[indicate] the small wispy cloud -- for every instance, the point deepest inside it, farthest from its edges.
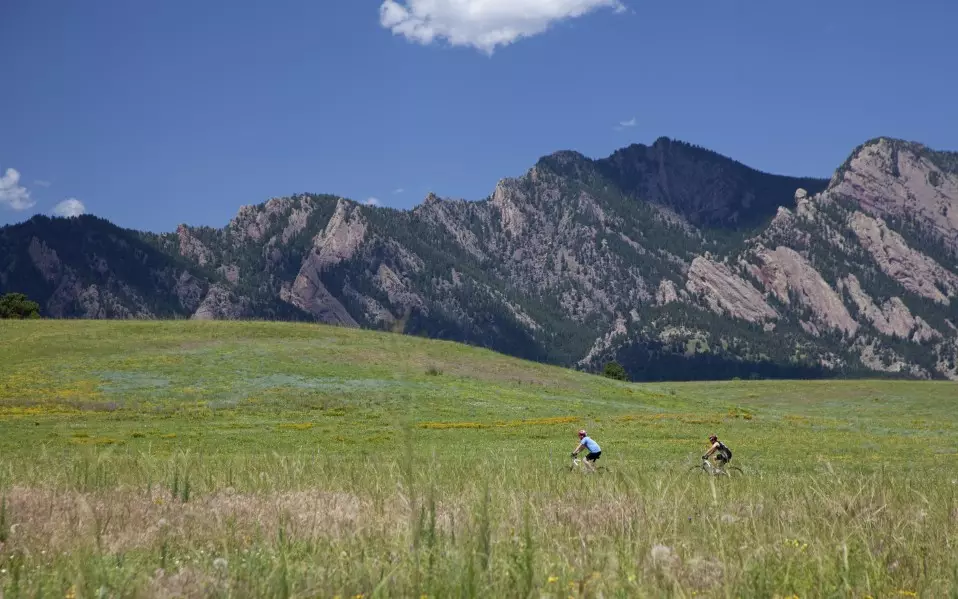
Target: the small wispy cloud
(41, 183)
(372, 202)
(69, 208)
(12, 194)
(399, 190)
(626, 124)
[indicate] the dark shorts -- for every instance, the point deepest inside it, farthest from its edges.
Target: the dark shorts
(722, 457)
(593, 456)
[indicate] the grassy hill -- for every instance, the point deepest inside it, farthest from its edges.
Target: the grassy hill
(270, 459)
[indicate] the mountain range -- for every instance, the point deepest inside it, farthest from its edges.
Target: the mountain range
(673, 260)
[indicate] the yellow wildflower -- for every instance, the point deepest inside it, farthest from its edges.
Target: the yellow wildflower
(553, 579)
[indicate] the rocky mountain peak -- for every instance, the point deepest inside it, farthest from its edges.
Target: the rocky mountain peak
(904, 180)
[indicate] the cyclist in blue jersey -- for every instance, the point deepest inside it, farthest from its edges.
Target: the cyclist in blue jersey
(595, 452)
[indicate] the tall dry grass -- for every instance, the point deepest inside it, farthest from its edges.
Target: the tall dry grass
(112, 524)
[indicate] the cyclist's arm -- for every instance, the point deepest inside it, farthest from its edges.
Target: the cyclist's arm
(712, 449)
(577, 449)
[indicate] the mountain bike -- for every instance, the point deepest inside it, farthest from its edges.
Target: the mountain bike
(578, 464)
(709, 468)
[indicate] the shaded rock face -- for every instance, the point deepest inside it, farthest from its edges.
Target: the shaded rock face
(70, 296)
(947, 354)
(705, 191)
(189, 290)
(308, 293)
(44, 260)
(659, 257)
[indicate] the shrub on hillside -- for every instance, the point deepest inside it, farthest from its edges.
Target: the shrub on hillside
(614, 370)
(17, 305)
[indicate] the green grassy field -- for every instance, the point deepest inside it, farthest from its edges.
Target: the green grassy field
(280, 460)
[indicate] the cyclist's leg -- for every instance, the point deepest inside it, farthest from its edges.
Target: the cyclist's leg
(590, 460)
(721, 461)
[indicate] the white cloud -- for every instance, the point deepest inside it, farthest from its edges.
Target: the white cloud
(399, 190)
(41, 183)
(372, 202)
(625, 124)
(482, 24)
(69, 208)
(12, 194)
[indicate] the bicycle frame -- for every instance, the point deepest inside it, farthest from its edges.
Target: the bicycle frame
(580, 464)
(712, 469)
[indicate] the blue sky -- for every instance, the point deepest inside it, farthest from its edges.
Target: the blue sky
(156, 113)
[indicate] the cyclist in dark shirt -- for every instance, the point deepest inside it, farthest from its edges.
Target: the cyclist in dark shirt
(723, 455)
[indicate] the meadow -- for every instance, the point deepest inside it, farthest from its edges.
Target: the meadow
(185, 459)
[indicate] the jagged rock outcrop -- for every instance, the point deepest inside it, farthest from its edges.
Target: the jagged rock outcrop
(508, 199)
(602, 344)
(893, 318)
(885, 360)
(338, 242)
(915, 271)
(725, 292)
(252, 222)
(788, 275)
(221, 304)
(397, 291)
(666, 293)
(191, 247)
(373, 311)
(446, 214)
(343, 235)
